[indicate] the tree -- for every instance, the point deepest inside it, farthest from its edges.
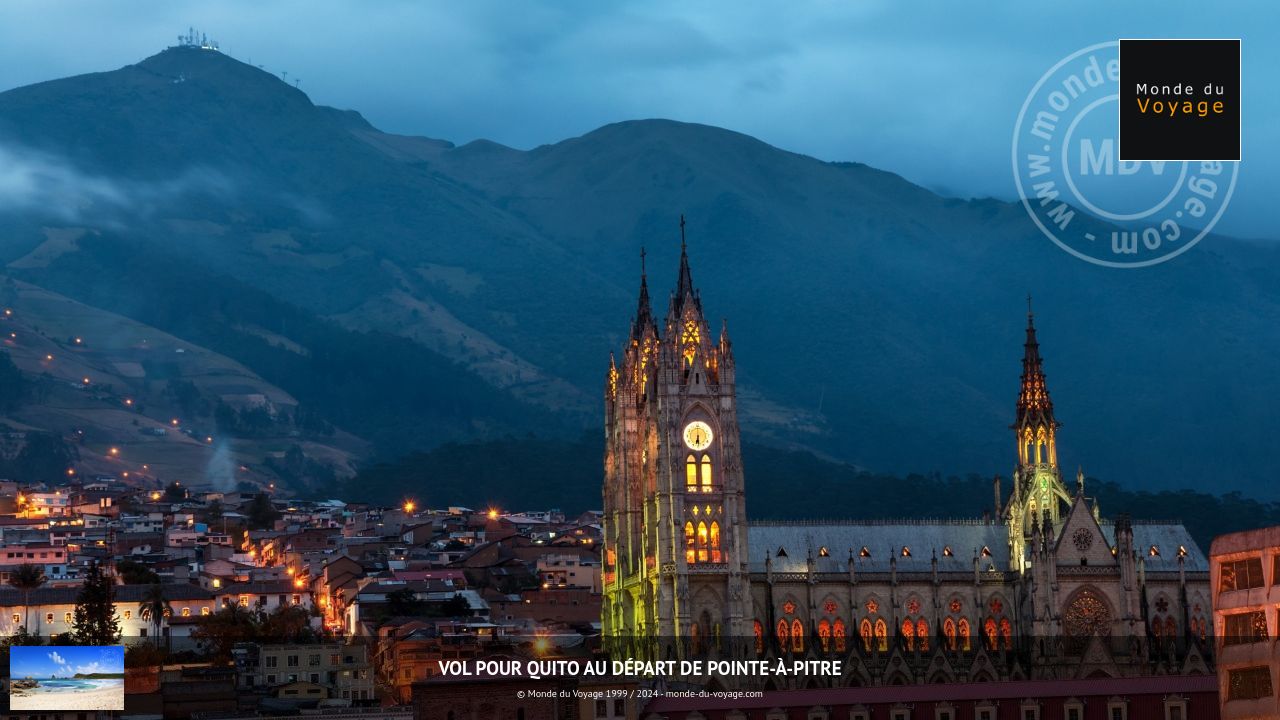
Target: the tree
(219, 632)
(262, 514)
(27, 577)
(214, 511)
(287, 624)
(135, 573)
(155, 609)
(13, 389)
(173, 493)
(94, 621)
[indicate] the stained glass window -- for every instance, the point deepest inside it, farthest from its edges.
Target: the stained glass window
(965, 644)
(830, 607)
(784, 633)
(991, 633)
(949, 631)
(702, 542)
(689, 537)
(759, 632)
(797, 636)
(1087, 615)
(1006, 632)
(715, 542)
(837, 629)
(706, 473)
(824, 635)
(882, 635)
(909, 635)
(922, 635)
(864, 631)
(691, 473)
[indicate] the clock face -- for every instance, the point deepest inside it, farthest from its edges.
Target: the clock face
(697, 435)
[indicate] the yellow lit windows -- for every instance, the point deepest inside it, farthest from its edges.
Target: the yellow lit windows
(706, 473)
(689, 538)
(922, 635)
(691, 473)
(882, 635)
(949, 630)
(715, 542)
(824, 635)
(702, 542)
(965, 643)
(797, 636)
(864, 632)
(689, 339)
(837, 630)
(909, 634)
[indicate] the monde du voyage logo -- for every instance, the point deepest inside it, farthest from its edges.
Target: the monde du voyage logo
(1125, 153)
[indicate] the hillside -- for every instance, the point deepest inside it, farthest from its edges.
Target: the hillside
(142, 405)
(874, 322)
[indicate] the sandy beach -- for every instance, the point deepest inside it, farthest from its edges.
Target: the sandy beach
(110, 697)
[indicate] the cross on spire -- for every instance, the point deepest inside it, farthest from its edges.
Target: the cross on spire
(682, 243)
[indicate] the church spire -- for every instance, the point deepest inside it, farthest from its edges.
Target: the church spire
(1034, 404)
(644, 312)
(684, 292)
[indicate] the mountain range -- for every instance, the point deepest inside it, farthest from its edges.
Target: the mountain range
(875, 323)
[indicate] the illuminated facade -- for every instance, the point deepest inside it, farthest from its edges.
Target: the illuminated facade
(675, 565)
(1045, 588)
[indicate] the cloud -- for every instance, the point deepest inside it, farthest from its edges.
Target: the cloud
(54, 656)
(35, 181)
(95, 667)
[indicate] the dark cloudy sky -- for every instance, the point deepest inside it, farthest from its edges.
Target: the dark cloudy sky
(926, 89)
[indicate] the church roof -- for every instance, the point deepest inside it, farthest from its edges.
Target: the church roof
(882, 540)
(1166, 538)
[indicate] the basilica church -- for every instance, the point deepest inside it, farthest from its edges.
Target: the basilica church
(1048, 587)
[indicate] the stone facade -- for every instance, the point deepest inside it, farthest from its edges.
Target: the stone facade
(1047, 588)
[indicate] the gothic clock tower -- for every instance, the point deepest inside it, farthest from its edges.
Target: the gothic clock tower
(675, 575)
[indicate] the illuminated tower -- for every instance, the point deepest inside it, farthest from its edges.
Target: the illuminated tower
(675, 580)
(1039, 496)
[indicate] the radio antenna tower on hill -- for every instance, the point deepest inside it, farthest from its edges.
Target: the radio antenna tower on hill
(193, 39)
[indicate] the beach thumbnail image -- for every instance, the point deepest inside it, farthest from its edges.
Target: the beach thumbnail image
(66, 677)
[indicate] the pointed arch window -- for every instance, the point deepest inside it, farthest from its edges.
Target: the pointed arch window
(784, 633)
(837, 632)
(922, 635)
(758, 629)
(949, 632)
(965, 642)
(991, 633)
(690, 552)
(691, 473)
(702, 542)
(824, 635)
(715, 542)
(707, 483)
(1170, 628)
(797, 636)
(864, 631)
(882, 635)
(694, 640)
(909, 635)
(1006, 633)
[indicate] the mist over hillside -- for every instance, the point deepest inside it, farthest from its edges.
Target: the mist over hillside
(874, 322)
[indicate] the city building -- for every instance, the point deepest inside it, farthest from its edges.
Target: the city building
(1245, 575)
